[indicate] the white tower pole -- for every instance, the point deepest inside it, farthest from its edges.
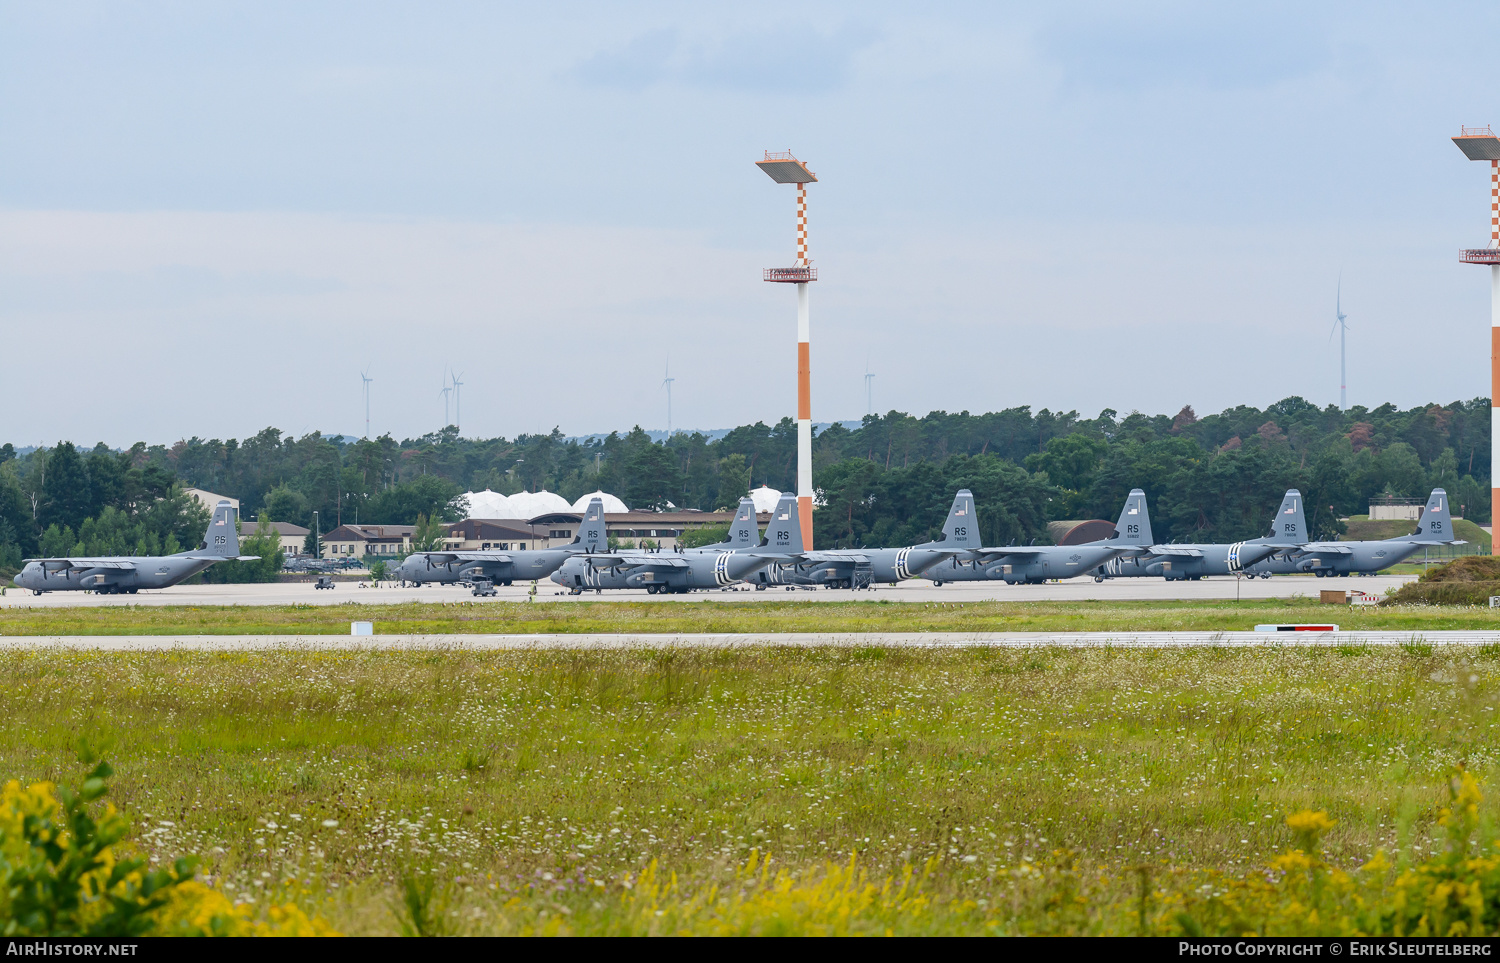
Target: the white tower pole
(1494, 336)
(804, 381)
(784, 168)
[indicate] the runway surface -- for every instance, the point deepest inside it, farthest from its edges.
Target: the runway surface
(916, 590)
(1123, 640)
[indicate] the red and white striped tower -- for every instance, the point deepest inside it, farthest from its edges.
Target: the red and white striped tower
(1480, 143)
(786, 169)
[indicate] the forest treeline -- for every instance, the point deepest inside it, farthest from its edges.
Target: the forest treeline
(889, 481)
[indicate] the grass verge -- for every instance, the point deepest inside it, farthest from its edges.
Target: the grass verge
(769, 617)
(1010, 791)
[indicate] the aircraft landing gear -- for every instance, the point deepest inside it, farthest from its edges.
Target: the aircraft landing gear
(36, 591)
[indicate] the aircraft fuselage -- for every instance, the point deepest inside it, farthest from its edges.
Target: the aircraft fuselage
(669, 572)
(149, 572)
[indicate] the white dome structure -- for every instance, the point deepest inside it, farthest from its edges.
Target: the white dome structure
(612, 505)
(532, 504)
(488, 504)
(765, 498)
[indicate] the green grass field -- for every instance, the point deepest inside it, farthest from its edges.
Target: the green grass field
(1041, 790)
(768, 617)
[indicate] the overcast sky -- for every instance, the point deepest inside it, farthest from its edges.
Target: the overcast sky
(213, 217)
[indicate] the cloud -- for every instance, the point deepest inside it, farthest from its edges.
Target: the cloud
(792, 58)
(639, 64)
(1205, 48)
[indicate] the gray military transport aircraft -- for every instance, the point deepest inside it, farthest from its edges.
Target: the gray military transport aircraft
(1030, 564)
(505, 567)
(860, 567)
(687, 569)
(1434, 527)
(1181, 562)
(121, 574)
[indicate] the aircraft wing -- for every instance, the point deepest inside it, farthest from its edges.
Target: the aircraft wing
(987, 555)
(636, 561)
(223, 558)
(1174, 552)
(1327, 548)
(832, 557)
(443, 558)
(58, 564)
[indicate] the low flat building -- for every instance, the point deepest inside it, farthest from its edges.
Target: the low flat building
(291, 538)
(357, 541)
(1387, 508)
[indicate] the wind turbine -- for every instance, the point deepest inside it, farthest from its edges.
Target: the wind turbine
(869, 396)
(667, 380)
(445, 392)
(458, 401)
(1343, 329)
(365, 377)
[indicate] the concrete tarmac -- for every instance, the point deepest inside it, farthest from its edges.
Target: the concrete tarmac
(915, 590)
(1122, 640)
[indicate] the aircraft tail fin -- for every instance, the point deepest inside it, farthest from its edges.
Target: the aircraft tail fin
(784, 533)
(744, 531)
(592, 536)
(221, 539)
(1134, 526)
(1436, 523)
(961, 530)
(1290, 526)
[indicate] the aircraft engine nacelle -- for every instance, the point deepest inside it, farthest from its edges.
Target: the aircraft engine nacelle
(1167, 569)
(676, 579)
(1014, 574)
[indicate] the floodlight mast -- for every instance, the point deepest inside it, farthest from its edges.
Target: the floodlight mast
(1481, 144)
(783, 168)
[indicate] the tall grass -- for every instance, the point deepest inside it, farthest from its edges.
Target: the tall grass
(531, 791)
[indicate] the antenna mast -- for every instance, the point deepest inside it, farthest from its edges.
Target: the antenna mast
(667, 383)
(1343, 330)
(365, 377)
(458, 401)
